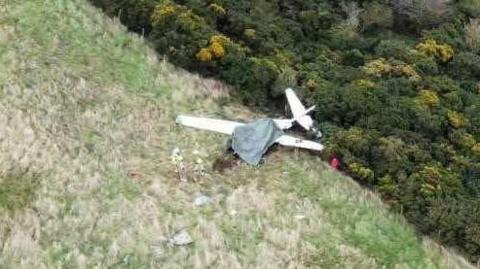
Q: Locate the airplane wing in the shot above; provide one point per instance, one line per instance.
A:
(298, 110)
(220, 126)
(291, 141)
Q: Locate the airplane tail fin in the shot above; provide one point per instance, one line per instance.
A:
(304, 119)
(300, 113)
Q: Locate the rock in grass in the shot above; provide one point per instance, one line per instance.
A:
(181, 238)
(202, 200)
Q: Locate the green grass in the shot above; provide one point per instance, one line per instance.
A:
(16, 191)
(83, 103)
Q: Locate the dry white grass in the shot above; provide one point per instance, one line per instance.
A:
(472, 34)
(73, 111)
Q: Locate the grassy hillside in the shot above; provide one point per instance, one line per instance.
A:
(395, 84)
(87, 179)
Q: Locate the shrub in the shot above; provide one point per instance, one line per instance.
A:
(437, 181)
(431, 48)
(215, 50)
(451, 33)
(381, 67)
(364, 83)
(456, 119)
(132, 13)
(344, 35)
(465, 65)
(217, 9)
(391, 156)
(428, 98)
(359, 171)
(441, 84)
(353, 57)
(470, 7)
(250, 33)
(431, 177)
(447, 215)
(162, 13)
(204, 55)
(387, 187)
(397, 49)
(476, 149)
(378, 67)
(422, 13)
(375, 14)
(353, 144)
(287, 78)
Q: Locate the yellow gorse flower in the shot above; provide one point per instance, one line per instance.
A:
(361, 171)
(409, 71)
(161, 12)
(217, 9)
(221, 39)
(428, 98)
(216, 49)
(364, 83)
(456, 119)
(468, 140)
(204, 55)
(380, 67)
(431, 176)
(476, 149)
(442, 51)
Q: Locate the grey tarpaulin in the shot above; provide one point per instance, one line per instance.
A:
(250, 141)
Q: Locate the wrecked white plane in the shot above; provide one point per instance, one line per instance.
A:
(251, 140)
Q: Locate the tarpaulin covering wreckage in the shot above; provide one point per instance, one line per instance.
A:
(250, 141)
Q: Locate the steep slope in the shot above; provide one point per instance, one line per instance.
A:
(87, 177)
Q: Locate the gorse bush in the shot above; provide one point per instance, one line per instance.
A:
(432, 48)
(396, 84)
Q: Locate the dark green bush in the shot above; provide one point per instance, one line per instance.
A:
(465, 65)
(134, 14)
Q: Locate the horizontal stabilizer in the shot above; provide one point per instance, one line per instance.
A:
(283, 124)
(306, 122)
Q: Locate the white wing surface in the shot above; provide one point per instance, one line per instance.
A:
(291, 141)
(220, 126)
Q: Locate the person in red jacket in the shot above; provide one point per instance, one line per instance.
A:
(335, 163)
